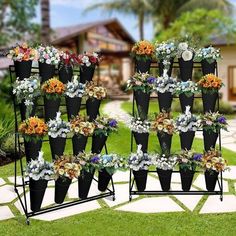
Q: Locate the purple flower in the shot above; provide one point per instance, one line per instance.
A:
(197, 157)
(95, 159)
(112, 123)
(222, 120)
(151, 80)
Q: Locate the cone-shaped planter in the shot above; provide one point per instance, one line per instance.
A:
(57, 146)
(103, 180)
(73, 106)
(79, 143)
(165, 142)
(208, 68)
(142, 102)
(61, 188)
(211, 178)
(209, 101)
(142, 138)
(185, 69)
(23, 110)
(143, 66)
(161, 67)
(23, 69)
(209, 139)
(86, 73)
(32, 149)
(65, 73)
(165, 178)
(140, 178)
(165, 100)
(51, 107)
(92, 108)
(186, 179)
(46, 71)
(186, 101)
(84, 181)
(186, 139)
(98, 142)
(37, 191)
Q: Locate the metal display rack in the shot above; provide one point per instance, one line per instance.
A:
(132, 192)
(22, 197)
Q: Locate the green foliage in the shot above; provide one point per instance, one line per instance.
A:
(5, 88)
(8, 143)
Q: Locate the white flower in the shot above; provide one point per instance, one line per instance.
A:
(187, 55)
(183, 46)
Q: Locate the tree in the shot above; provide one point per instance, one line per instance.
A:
(45, 18)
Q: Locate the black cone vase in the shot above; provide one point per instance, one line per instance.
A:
(92, 108)
(23, 69)
(79, 143)
(61, 188)
(140, 178)
(37, 191)
(211, 178)
(73, 106)
(186, 101)
(209, 101)
(186, 69)
(209, 139)
(165, 100)
(162, 67)
(84, 181)
(165, 178)
(46, 71)
(142, 102)
(165, 142)
(86, 73)
(186, 179)
(57, 146)
(142, 138)
(103, 180)
(23, 110)
(143, 66)
(32, 149)
(208, 68)
(65, 73)
(98, 142)
(51, 107)
(186, 139)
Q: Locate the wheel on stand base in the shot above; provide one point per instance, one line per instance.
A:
(113, 198)
(27, 221)
(221, 198)
(130, 198)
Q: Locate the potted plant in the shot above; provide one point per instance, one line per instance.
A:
(26, 92)
(186, 124)
(57, 132)
(82, 129)
(22, 55)
(165, 87)
(139, 162)
(48, 58)
(142, 52)
(210, 85)
(104, 126)
(208, 57)
(66, 168)
(73, 92)
(165, 53)
(164, 166)
(87, 62)
(39, 172)
(140, 129)
(163, 124)
(33, 130)
(142, 84)
(187, 161)
(94, 95)
(186, 90)
(52, 90)
(211, 123)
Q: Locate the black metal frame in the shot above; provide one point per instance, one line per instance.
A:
(175, 192)
(25, 183)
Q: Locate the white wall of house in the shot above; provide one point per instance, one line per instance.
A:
(126, 69)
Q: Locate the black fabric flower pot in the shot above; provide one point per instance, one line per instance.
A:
(142, 138)
(79, 143)
(51, 107)
(165, 142)
(143, 66)
(73, 106)
(161, 67)
(23, 69)
(23, 109)
(209, 139)
(165, 178)
(84, 181)
(165, 100)
(142, 102)
(186, 139)
(208, 68)
(211, 178)
(98, 142)
(86, 73)
(209, 101)
(46, 71)
(61, 188)
(65, 73)
(186, 179)
(186, 101)
(185, 69)
(103, 180)
(140, 178)
(57, 146)
(32, 149)
(37, 191)
(92, 108)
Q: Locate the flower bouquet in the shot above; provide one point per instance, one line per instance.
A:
(33, 130)
(26, 92)
(142, 52)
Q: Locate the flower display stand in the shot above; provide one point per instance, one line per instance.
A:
(22, 188)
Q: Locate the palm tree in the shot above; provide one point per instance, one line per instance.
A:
(45, 18)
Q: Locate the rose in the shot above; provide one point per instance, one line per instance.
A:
(183, 46)
(187, 55)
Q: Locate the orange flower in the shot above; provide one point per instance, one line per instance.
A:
(143, 47)
(53, 86)
(210, 81)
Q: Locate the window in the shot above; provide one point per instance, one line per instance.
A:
(232, 83)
